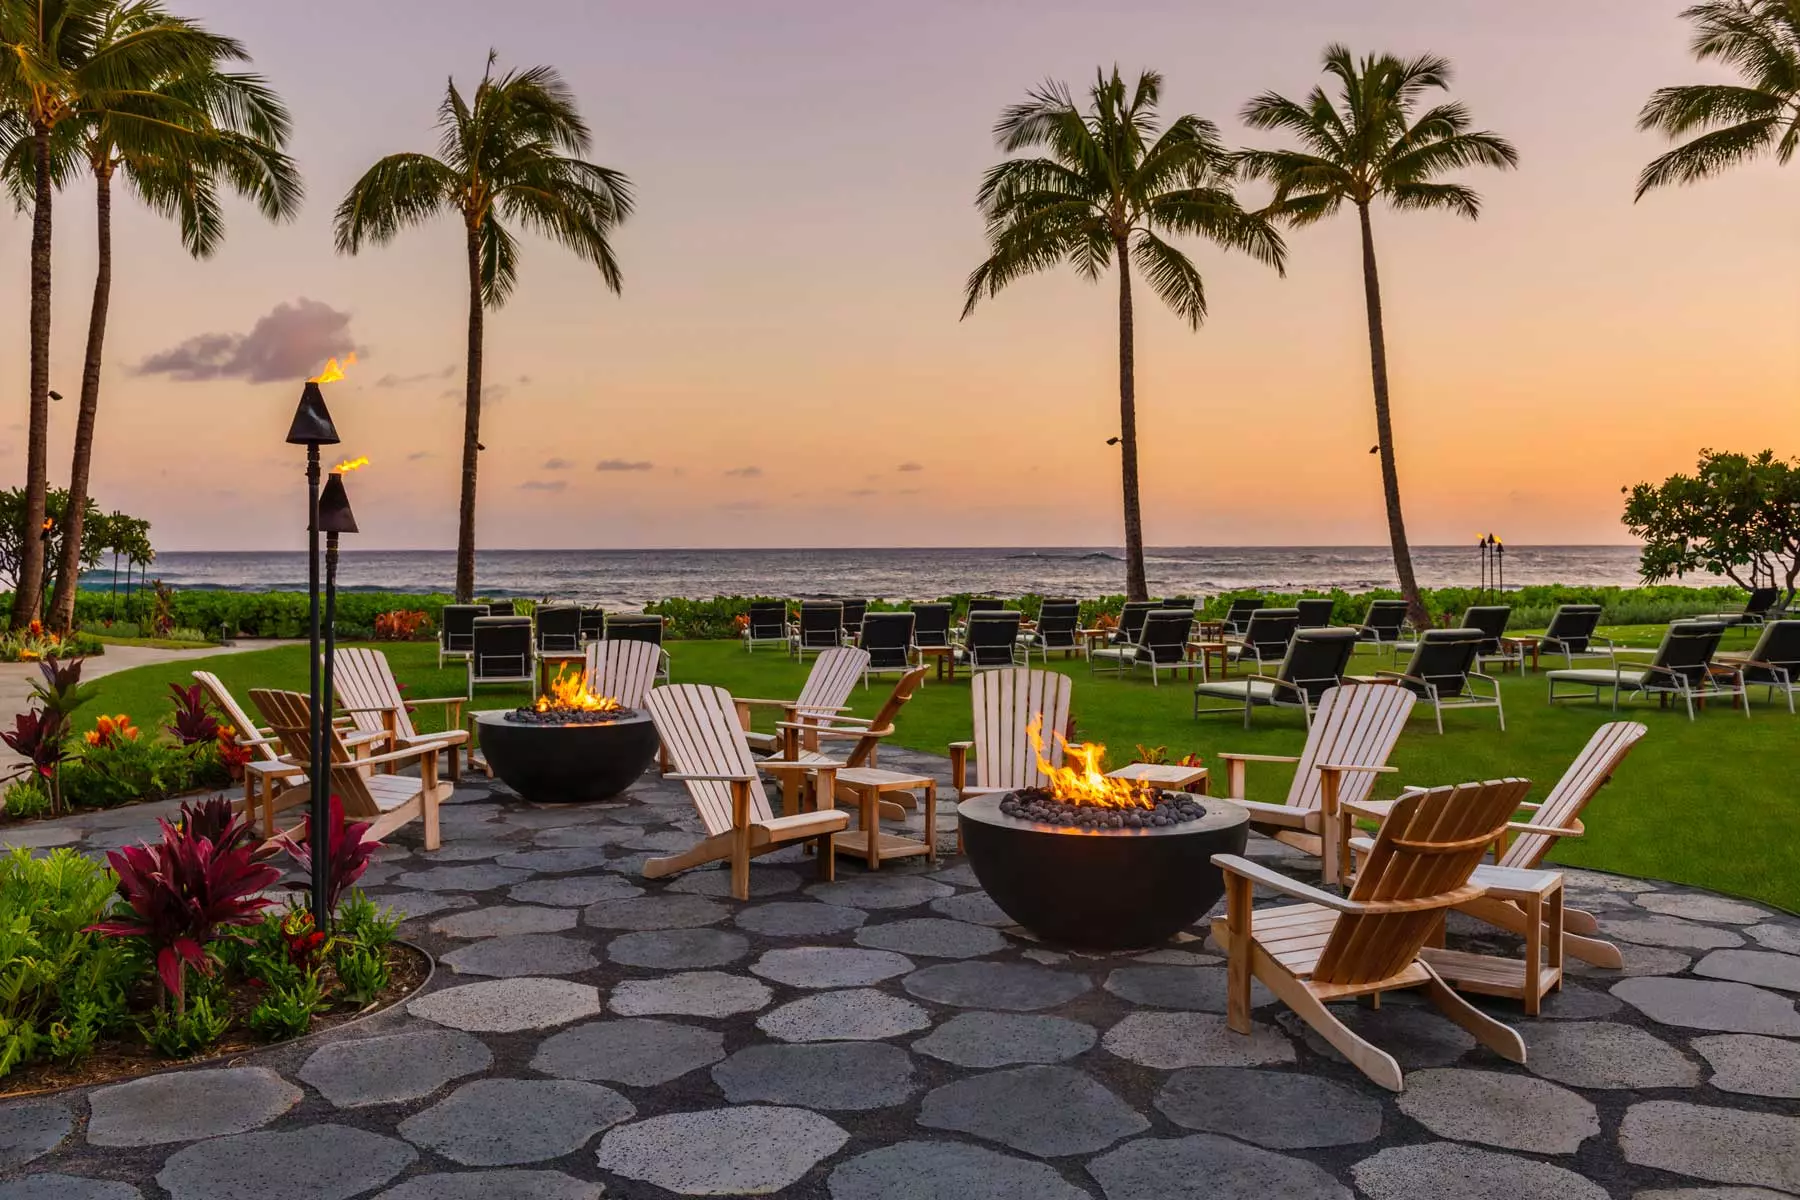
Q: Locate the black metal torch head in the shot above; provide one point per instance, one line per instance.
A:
(334, 507)
(312, 420)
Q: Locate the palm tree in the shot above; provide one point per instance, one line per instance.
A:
(512, 153)
(1374, 144)
(51, 63)
(1735, 122)
(1108, 187)
(172, 138)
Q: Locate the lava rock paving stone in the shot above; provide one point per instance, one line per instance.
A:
(947, 1171)
(880, 890)
(1042, 1111)
(1416, 1036)
(751, 1149)
(1703, 1004)
(1696, 906)
(854, 1015)
(320, 1162)
(1671, 933)
(1724, 1193)
(1274, 1109)
(584, 836)
(655, 912)
(974, 907)
(1602, 1054)
(1192, 989)
(642, 1052)
(716, 882)
(410, 906)
(1513, 1112)
(1015, 987)
(49, 1186)
(827, 1076)
(1178, 958)
(991, 1039)
(1203, 1167)
(666, 841)
(798, 918)
(1763, 968)
(676, 949)
(1445, 1171)
(1785, 938)
(1639, 960)
(555, 861)
(504, 1122)
(501, 919)
(690, 994)
(478, 877)
(522, 954)
(508, 1005)
(387, 1070)
(932, 937)
(186, 1105)
(830, 966)
(31, 1129)
(1751, 1065)
(1571, 1003)
(961, 875)
(495, 1185)
(1722, 1145)
(576, 892)
(470, 850)
(1577, 879)
(1169, 1040)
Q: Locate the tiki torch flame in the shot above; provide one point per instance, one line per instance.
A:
(351, 464)
(333, 372)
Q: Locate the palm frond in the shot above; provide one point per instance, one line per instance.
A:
(1710, 153)
(399, 191)
(1455, 197)
(499, 263)
(1171, 276)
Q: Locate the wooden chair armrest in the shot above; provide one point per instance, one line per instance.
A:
(450, 700)
(826, 731)
(782, 764)
(1257, 873)
(420, 751)
(1529, 805)
(353, 711)
(1283, 758)
(683, 777)
(1376, 810)
(1365, 769)
(1560, 831)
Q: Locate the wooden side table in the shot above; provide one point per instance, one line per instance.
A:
(1207, 650)
(1170, 777)
(943, 654)
(1540, 894)
(1523, 643)
(868, 842)
(560, 659)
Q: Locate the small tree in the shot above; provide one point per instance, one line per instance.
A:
(1736, 516)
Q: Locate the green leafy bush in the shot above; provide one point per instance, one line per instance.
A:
(25, 797)
(188, 1031)
(288, 1010)
(362, 974)
(107, 774)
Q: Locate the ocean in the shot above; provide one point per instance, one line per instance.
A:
(618, 577)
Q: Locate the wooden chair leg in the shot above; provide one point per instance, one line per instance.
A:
(1238, 951)
(740, 863)
(827, 858)
(1579, 920)
(1503, 1040)
(1511, 918)
(931, 823)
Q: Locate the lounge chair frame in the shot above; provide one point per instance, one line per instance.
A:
(1442, 673)
(1314, 663)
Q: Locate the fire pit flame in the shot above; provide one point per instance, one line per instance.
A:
(1086, 784)
(569, 692)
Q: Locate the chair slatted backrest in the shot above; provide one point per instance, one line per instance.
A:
(456, 628)
(1492, 620)
(1315, 611)
(286, 714)
(1385, 619)
(854, 611)
(1590, 771)
(1187, 602)
(832, 679)
(931, 624)
(768, 620)
(700, 733)
(864, 747)
(365, 685)
(1572, 626)
(991, 636)
(1779, 646)
(1056, 624)
(234, 712)
(623, 669)
(985, 604)
(1761, 600)
(821, 624)
(1316, 661)
(1270, 630)
(501, 608)
(502, 648)
(1354, 725)
(1131, 620)
(1687, 648)
(1005, 703)
(1238, 612)
(1059, 602)
(559, 627)
(1444, 659)
(1428, 847)
(593, 624)
(887, 638)
(637, 627)
(1165, 635)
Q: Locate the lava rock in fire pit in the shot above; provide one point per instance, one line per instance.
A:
(1037, 804)
(569, 716)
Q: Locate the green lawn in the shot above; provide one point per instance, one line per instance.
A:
(1701, 803)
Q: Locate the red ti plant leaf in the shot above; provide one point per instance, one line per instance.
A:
(39, 737)
(347, 850)
(214, 819)
(194, 723)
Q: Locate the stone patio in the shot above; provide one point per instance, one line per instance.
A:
(886, 1037)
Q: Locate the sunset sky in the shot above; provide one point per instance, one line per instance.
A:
(786, 366)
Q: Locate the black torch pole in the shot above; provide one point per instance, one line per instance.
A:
(321, 856)
(319, 774)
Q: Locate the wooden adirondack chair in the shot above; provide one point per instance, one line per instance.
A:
(1331, 947)
(386, 801)
(625, 670)
(705, 743)
(1353, 731)
(370, 696)
(1557, 817)
(1005, 703)
(827, 692)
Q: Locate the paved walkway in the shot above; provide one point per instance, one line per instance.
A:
(886, 1037)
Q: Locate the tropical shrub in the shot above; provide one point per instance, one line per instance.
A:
(402, 626)
(25, 797)
(346, 847)
(193, 721)
(34, 643)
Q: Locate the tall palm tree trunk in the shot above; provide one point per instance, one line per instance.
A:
(465, 527)
(1135, 587)
(68, 572)
(28, 598)
(1384, 429)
